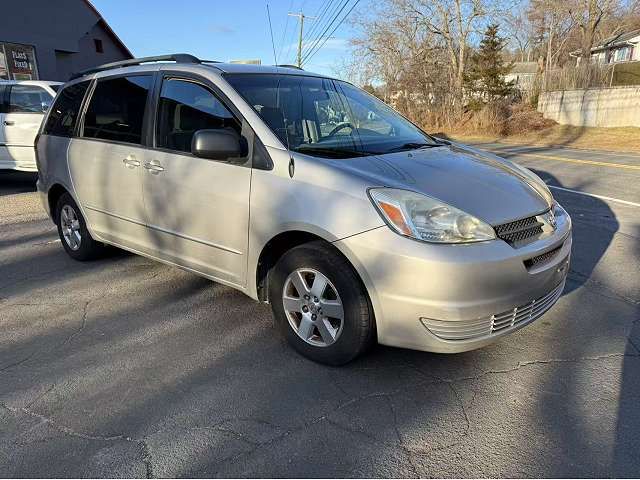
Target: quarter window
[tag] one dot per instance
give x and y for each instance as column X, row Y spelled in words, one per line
column 116, row 110
column 186, row 107
column 28, row 99
column 64, row 112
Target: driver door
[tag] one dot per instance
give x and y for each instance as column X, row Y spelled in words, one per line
column 197, row 208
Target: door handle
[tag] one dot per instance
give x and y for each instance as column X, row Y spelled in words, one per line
column 131, row 162
column 9, row 122
column 154, row 167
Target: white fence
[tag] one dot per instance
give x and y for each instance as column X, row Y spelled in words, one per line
column 596, row 107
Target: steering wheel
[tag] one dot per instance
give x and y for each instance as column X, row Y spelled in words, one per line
column 339, row 127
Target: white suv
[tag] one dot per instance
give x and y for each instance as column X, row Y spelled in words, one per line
column 22, row 108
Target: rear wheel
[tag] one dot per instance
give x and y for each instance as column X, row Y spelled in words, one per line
column 320, row 305
column 73, row 232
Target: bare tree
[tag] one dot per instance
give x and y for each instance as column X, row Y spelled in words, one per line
column 519, row 31
column 406, row 60
column 624, row 18
column 416, row 53
column 553, row 26
column 454, row 21
column 588, row 15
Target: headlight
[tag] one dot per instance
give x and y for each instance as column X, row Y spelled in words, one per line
column 427, row 219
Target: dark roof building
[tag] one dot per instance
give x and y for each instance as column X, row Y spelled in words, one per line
column 50, row 40
column 622, row 47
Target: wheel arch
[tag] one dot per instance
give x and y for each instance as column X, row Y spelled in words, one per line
column 53, row 195
column 273, row 250
column 281, row 243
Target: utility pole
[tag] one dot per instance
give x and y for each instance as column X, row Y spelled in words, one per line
column 301, row 16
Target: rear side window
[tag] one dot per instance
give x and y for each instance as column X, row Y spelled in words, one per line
column 186, row 107
column 28, row 99
column 116, row 110
column 64, row 112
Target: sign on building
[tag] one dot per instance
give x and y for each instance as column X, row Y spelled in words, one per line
column 17, row 62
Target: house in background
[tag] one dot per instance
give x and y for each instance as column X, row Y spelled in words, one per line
column 523, row 75
column 50, row 40
column 623, row 47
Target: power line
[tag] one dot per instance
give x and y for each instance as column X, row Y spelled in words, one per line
column 301, row 16
column 329, row 24
column 322, row 11
column 290, row 39
column 310, row 55
column 284, row 32
column 332, row 16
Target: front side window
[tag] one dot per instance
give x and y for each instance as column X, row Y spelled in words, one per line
column 28, row 99
column 116, row 110
column 186, row 107
column 326, row 117
column 64, row 112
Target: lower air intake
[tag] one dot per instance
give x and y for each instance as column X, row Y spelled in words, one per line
column 498, row 323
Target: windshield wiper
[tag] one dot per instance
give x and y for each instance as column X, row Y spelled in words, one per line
column 413, row 146
column 332, row 152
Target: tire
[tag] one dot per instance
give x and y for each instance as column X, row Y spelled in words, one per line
column 77, row 242
column 329, row 339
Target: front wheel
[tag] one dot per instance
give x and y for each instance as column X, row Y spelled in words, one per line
column 320, row 304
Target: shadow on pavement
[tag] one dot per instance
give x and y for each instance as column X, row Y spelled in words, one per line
column 12, row 182
column 586, row 213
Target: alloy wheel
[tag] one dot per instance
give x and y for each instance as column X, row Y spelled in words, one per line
column 70, row 226
column 313, row 307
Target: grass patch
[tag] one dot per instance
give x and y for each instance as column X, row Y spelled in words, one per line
column 619, row 139
column 520, row 123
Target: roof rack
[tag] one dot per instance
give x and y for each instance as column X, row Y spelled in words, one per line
column 175, row 57
column 290, row 66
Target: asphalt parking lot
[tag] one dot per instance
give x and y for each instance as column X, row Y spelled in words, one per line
column 128, row 368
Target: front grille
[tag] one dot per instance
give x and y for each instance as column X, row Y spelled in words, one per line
column 542, row 258
column 501, row 322
column 519, row 231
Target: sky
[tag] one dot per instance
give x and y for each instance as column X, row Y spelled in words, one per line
column 222, row 29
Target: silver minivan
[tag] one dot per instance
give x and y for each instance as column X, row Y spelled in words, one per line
column 305, row 192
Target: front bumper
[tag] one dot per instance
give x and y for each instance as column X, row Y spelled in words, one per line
column 454, row 298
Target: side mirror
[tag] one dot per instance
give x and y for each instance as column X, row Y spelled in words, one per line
column 222, row 144
column 44, row 106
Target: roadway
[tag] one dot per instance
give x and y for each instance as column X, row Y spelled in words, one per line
column 125, row 367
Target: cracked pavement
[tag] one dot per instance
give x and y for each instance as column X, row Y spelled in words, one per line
column 124, row 367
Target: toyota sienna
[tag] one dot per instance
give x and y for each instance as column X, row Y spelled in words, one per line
column 305, row 192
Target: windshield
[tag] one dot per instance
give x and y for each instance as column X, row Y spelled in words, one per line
column 327, row 118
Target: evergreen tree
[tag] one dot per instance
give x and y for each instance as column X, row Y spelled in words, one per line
column 485, row 78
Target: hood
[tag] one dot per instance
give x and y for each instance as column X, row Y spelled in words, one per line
column 483, row 185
